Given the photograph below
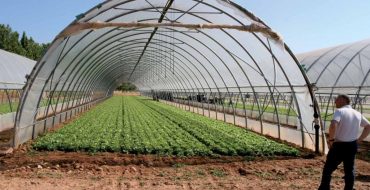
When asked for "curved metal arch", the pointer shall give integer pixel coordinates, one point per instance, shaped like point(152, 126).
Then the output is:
point(194, 58)
point(186, 79)
point(37, 66)
point(191, 71)
point(180, 10)
point(230, 72)
point(241, 69)
point(116, 74)
point(287, 78)
point(161, 78)
point(188, 75)
point(98, 77)
point(118, 16)
point(268, 83)
point(66, 69)
point(331, 60)
point(360, 87)
point(198, 91)
point(321, 56)
point(108, 74)
point(238, 64)
point(60, 58)
point(358, 53)
point(291, 87)
point(340, 74)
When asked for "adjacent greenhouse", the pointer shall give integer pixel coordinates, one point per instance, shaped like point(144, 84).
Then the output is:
point(342, 69)
point(13, 72)
point(213, 56)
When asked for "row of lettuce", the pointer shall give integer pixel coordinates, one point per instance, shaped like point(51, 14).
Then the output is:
point(140, 126)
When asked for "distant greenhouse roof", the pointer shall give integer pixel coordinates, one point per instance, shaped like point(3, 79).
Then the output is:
point(340, 69)
point(13, 70)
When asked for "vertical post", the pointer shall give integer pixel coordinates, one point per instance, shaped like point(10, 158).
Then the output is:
point(203, 104)
point(215, 105)
point(317, 133)
point(235, 103)
point(245, 109)
point(9, 100)
point(209, 113)
point(223, 104)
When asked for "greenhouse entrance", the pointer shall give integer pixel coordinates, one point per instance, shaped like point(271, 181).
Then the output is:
point(213, 55)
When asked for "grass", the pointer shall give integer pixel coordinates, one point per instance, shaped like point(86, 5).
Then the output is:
point(218, 173)
point(6, 108)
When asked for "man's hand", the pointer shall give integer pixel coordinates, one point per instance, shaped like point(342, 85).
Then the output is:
point(364, 134)
point(330, 143)
point(359, 141)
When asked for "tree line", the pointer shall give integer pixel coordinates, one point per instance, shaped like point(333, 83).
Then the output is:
point(11, 41)
point(127, 86)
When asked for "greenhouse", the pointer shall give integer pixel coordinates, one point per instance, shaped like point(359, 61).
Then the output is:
point(342, 69)
point(211, 57)
point(13, 72)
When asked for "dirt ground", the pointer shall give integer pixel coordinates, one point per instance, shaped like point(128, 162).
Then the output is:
point(28, 169)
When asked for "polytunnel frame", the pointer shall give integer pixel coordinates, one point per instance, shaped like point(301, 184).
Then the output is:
point(347, 63)
point(10, 93)
point(13, 72)
point(89, 86)
point(208, 47)
point(229, 70)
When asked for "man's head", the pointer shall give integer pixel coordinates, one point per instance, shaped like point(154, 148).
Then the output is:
point(342, 100)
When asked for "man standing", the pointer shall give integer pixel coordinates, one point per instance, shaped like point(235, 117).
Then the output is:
point(343, 132)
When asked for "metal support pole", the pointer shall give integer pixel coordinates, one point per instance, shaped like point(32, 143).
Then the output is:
point(317, 133)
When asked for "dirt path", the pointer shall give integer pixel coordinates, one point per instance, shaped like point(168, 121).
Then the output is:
point(58, 170)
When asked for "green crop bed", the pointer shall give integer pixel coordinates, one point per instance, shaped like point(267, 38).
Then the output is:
point(141, 126)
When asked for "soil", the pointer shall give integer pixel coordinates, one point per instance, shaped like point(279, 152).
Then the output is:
point(29, 169)
point(6, 137)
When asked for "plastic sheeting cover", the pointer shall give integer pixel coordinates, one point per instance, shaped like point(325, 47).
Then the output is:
point(343, 68)
point(95, 62)
point(13, 70)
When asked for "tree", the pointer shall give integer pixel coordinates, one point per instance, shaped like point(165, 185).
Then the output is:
point(24, 40)
point(127, 86)
point(4, 36)
point(26, 46)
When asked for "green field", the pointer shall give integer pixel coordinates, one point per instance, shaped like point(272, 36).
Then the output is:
point(5, 107)
point(141, 126)
point(268, 109)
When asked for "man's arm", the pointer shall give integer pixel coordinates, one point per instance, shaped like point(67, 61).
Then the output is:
point(332, 129)
point(364, 133)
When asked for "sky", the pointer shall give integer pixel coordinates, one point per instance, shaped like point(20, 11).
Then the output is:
point(305, 25)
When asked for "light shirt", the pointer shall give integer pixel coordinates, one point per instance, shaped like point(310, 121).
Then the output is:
point(349, 121)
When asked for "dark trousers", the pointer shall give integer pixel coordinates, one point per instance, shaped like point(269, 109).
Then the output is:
point(340, 152)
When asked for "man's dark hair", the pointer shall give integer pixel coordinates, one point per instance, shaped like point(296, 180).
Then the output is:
point(345, 97)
